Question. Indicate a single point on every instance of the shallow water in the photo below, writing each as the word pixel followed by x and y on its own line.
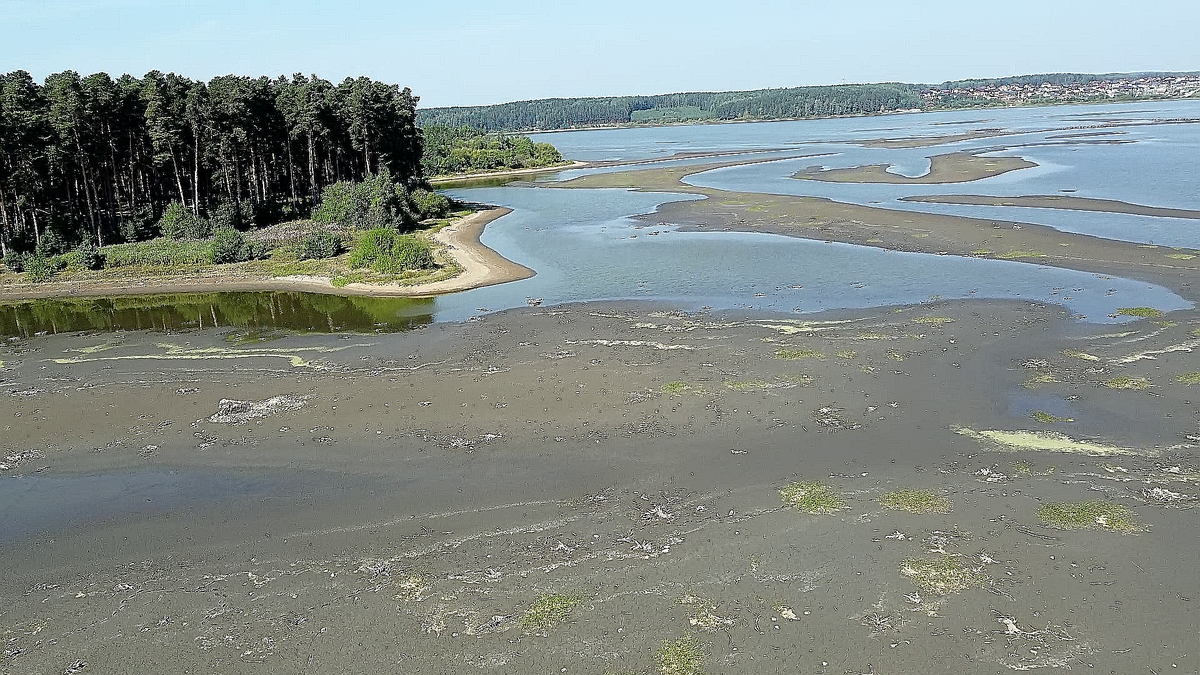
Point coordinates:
pixel 1149 164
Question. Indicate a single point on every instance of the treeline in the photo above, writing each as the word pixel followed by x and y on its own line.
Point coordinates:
pixel 1060 79
pixel 455 150
pixel 761 104
pixel 101 160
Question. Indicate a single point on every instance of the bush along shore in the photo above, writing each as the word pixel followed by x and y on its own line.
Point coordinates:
pixel 373 231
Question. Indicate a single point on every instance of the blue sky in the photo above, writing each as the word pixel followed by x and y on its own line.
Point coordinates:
pixel 468 52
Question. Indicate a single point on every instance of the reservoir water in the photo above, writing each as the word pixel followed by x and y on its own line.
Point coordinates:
pixel 585 245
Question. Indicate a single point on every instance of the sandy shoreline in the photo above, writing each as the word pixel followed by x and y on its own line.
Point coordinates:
pixel 481 267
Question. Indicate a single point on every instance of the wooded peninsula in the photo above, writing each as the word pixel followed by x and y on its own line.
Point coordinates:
pixel 94 161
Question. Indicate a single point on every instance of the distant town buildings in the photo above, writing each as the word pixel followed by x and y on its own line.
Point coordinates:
pixel 1172 86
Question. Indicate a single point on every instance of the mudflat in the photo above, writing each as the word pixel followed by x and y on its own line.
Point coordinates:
pixel 968 487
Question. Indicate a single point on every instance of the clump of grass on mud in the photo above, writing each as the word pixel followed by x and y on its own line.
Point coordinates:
pixel 812 497
pixel 684 656
pixel 1014 255
pixel 915 501
pixel 1048 418
pixel 1126 382
pixel 1147 312
pixel 789 354
pixel 549 610
pixel 1076 354
pixel 747 385
pixel 1188 378
pixel 675 388
pixel 1096 514
pixel 933 320
pixel 847 354
pixel 943 575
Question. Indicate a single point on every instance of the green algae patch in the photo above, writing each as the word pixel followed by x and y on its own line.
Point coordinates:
pixel 549 610
pixel 1096 514
pixel 943 575
pixel 933 320
pixel 1186 378
pixel 675 388
pixel 915 501
pixel 1127 382
pixel 812 497
pixel 1145 312
pixel 1048 418
pixel 1016 255
pixel 847 354
pixel 1076 354
pixel 1048 441
pixel 796 354
pixel 684 656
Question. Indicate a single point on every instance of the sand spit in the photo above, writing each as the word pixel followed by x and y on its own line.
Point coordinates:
pixel 450 498
pixel 481 267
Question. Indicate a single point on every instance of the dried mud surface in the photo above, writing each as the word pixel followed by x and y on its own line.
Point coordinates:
pixel 415 502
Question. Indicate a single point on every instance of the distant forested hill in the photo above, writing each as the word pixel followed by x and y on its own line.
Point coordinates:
pixel 761 104
pixel 808 102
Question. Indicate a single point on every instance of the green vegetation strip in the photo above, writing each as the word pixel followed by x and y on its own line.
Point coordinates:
pixel 943 575
pixel 684 656
pixel 549 610
pixel 1149 312
pixel 812 497
pixel 1096 514
pixel 915 501
pixel 789 354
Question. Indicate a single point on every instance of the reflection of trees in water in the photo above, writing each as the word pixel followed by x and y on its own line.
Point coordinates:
pixel 296 311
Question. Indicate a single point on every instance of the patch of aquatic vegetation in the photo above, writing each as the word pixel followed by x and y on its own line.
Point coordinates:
pixel 798 327
pixel 1076 354
pixel 96 349
pixel 812 497
pixel 1188 378
pixel 789 354
pixel 1127 382
pixel 1096 514
pixel 1146 312
pixel 549 610
pixel 943 575
pixel 702 614
pixel 1180 256
pixel 1039 380
pixel 684 656
pixel 409 587
pixel 1023 469
pixel 1195 332
pixel 675 388
pixel 1015 255
pixel 1048 418
pixel 178 352
pixel 1048 441
pixel 915 501
pixel 982 251
pixel 780 382
pixel 846 354
pixel 254 336
pixel 933 320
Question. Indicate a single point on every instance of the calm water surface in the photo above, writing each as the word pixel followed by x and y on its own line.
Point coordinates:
pixel 585 246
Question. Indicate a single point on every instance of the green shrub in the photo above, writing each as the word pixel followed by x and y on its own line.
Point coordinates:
pixel 38 268
pixel 232 215
pixel 158 253
pixel 389 252
pixel 87 256
pixel 375 202
pixel 320 245
pixel 136 226
pixel 428 204
pixel 178 222
pixel 15 261
pixel 51 244
pixel 227 246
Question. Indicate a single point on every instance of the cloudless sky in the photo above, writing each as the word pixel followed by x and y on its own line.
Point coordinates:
pixel 469 52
